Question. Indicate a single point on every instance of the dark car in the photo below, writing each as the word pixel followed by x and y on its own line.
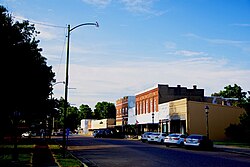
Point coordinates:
pixel 198 141
pixel 99 133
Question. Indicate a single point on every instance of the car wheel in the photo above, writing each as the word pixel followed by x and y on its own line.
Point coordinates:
pixel 167 145
pixel 181 144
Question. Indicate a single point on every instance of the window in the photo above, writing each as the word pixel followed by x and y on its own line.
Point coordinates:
pixel 137 108
pixel 154 105
pixel 140 107
pixel 144 106
pixel 151 105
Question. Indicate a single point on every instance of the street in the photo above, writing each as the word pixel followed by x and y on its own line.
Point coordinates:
pixel 104 152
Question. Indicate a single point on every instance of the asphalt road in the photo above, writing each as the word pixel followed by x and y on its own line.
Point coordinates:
pixel 122 153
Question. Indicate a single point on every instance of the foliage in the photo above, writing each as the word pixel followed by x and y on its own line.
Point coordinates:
pixel 104 110
pixel 75 115
pixel 73 118
pixel 27 78
pixel 85 112
pixel 233 92
pixel 239 131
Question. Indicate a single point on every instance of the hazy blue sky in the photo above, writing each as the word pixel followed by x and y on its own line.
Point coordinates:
pixel 141 43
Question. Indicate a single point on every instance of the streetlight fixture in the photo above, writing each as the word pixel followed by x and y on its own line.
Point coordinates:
pixel 206 112
pixel 67 81
pixel 153 117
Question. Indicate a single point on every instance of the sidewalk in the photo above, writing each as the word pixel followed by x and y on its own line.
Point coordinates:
pixel 233 149
pixel 42 155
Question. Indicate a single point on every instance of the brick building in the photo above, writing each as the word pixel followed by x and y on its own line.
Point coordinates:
pixel 124 107
pixel 147 103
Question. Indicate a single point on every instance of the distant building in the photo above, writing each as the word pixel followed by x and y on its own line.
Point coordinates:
pixel 125 110
pixel 88 125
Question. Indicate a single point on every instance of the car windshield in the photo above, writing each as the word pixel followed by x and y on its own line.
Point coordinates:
pixel 155 134
pixel 147 133
pixel 173 135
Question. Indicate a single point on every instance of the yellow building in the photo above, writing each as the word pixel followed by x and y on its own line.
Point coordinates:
pixel 190 116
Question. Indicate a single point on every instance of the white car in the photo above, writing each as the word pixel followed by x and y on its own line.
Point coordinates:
pixel 161 138
pixel 144 136
pixel 26 134
pixel 175 139
pixel 153 137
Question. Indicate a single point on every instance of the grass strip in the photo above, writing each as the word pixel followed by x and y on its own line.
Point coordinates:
pixel 69 159
pixel 24 154
pixel 232 143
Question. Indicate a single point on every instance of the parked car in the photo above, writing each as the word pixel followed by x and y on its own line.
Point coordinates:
pixel 153 137
pixel 198 141
pixel 176 139
pixel 161 138
pixel 99 133
pixel 28 134
pixel 144 136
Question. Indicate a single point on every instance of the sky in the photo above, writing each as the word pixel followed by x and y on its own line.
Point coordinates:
pixel 140 43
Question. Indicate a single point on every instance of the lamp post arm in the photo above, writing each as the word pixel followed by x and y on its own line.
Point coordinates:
pixel 84 24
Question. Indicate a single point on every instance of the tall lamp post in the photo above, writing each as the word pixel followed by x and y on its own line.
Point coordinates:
pixel 67 81
pixel 206 112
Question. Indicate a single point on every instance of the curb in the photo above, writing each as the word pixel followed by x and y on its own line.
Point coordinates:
pixel 233 151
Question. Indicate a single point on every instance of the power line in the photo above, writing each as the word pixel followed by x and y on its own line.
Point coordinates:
pixel 63 49
pixel 40 23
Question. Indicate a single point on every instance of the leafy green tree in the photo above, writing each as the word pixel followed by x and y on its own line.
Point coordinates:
pixel 59 119
pixel 234 91
pixel 26 78
pixel 104 110
pixel 85 112
pixel 73 119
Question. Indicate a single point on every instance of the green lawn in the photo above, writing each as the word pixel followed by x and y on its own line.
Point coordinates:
pixel 69 160
pixel 232 143
pixel 25 154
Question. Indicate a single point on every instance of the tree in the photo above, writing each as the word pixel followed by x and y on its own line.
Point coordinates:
pixel 85 112
pixel 73 119
pixel 233 92
pixel 104 110
pixel 239 131
pixel 26 78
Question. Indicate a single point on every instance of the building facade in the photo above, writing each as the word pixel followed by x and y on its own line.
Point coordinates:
pixel 125 109
pixel 89 125
pixel 190 117
pixel 148 103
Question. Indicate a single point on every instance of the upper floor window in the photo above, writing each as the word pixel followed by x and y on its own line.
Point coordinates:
pixel 147 106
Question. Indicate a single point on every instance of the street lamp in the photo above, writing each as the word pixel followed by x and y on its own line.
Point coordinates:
pixel 206 111
pixel 153 117
pixel 67 81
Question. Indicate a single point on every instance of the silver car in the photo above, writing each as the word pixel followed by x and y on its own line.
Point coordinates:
pixel 144 136
pixel 175 139
pixel 153 137
pixel 198 141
